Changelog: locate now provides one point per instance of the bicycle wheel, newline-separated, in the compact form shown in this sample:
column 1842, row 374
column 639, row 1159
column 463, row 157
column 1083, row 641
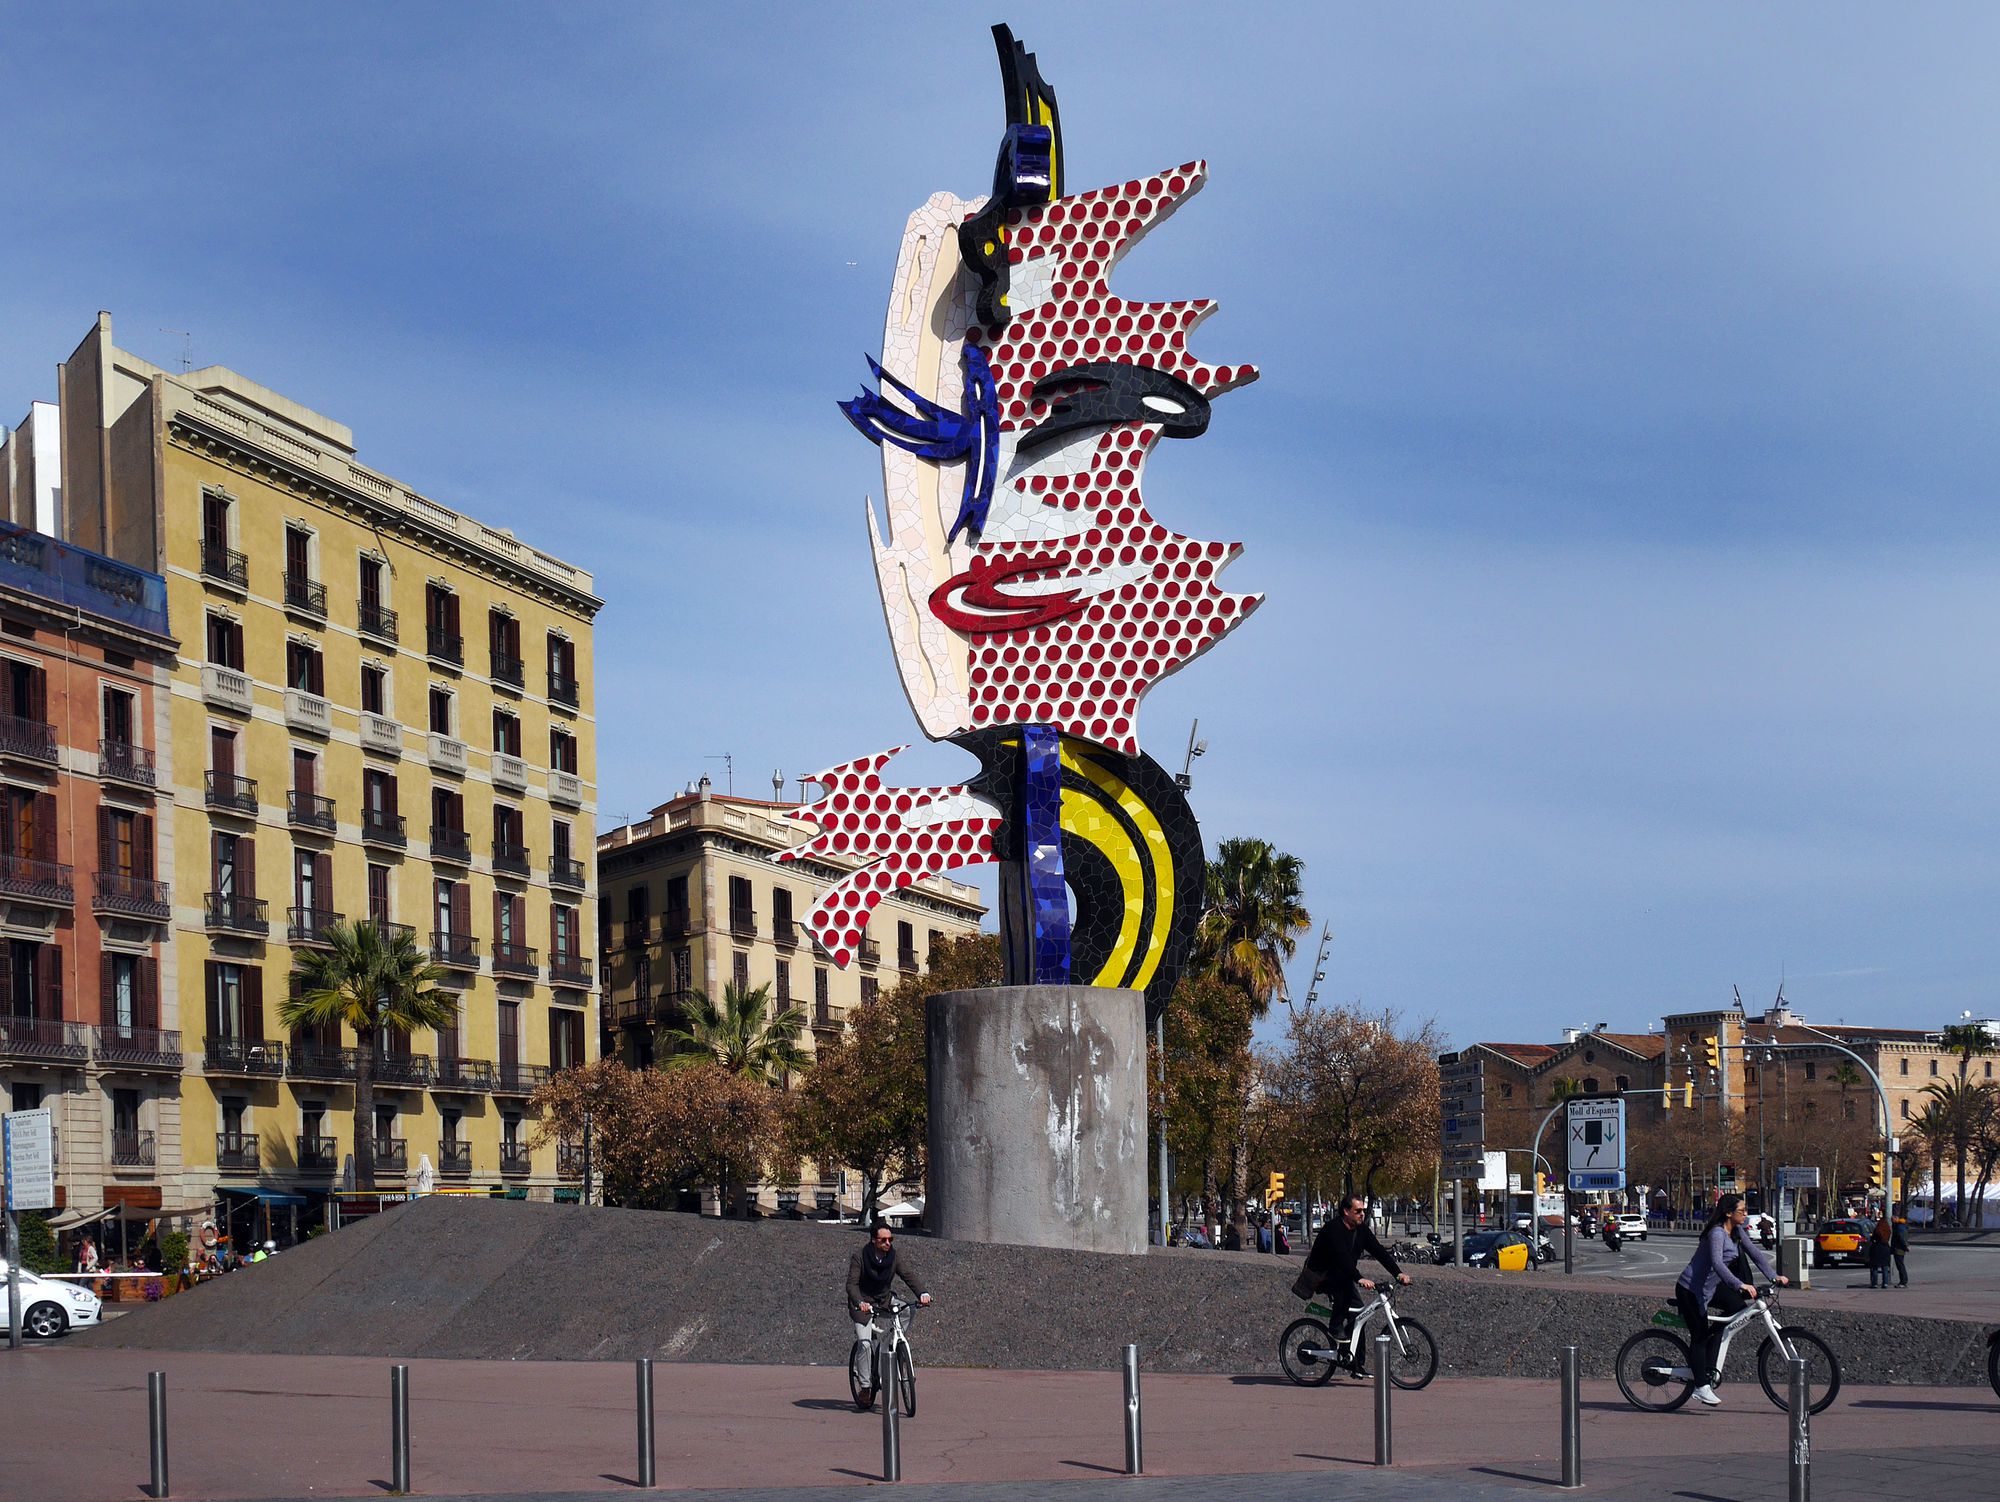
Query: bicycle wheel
column 1417, row 1362
column 906, row 1381
column 1656, row 1371
column 1993, row 1366
column 1300, row 1336
column 856, row 1378
column 1822, row 1368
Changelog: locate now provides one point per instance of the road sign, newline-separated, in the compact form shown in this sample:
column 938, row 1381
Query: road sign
column 28, row 1146
column 1798, row 1178
column 1597, row 1143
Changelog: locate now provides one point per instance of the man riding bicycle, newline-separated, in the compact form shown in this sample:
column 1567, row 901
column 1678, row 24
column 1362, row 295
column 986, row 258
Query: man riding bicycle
column 1711, row 1278
column 871, row 1271
column 1333, row 1266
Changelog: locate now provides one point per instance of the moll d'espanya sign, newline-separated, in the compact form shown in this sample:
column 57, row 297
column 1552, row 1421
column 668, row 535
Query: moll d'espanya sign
column 1031, row 597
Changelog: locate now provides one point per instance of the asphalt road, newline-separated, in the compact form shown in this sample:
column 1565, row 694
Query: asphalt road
column 1966, row 1268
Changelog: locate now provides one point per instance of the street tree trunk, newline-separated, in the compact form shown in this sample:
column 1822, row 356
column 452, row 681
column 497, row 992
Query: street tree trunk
column 364, row 1109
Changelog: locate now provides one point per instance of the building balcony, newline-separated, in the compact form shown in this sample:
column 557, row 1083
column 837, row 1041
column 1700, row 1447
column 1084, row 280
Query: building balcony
column 381, row 734
column 227, row 793
column 743, row 923
column 380, row 828
column 311, row 811
column 631, row 1011
column 308, row 925
column 455, row 951
column 321, row 1061
column 569, row 970
column 638, row 932
column 225, row 565
column 27, row 740
column 318, row 1155
column 567, row 871
column 456, row 1076
column 392, row 1155
column 228, row 913
column 445, row 646
column 671, row 1008
column 514, row 1160
column 37, row 881
column 447, row 754
column 509, row 772
column 236, row 1152
column 565, row 787
column 515, row 959
column 132, row 897
column 226, row 688
column 43, row 1040
column 562, row 690
column 510, row 857
column 132, row 1150
column 394, row 931
column 871, row 952
column 249, row 1057
column 509, row 670
column 138, row 1048
column 784, row 933
column 519, row 1079
column 308, row 712
column 120, row 761
column 569, row 1160
column 403, row 1071
column 448, row 844
column 825, row 1018
column 378, row 621
column 676, row 922
column 455, row 1159
column 906, row 961
column 306, row 596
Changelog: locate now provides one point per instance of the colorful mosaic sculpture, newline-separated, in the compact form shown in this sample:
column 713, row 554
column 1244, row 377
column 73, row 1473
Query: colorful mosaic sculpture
column 1031, row 598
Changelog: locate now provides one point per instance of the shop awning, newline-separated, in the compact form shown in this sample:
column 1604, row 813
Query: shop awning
column 268, row 1196
column 69, row 1220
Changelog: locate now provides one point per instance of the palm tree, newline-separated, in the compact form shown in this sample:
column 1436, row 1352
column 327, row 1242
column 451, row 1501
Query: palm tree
column 1563, row 1087
column 1930, row 1129
column 1959, row 1103
column 372, row 981
column 741, row 1035
column 1968, row 1040
column 1252, row 917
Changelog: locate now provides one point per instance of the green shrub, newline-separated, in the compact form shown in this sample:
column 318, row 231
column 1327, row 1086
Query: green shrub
column 38, row 1243
column 174, row 1251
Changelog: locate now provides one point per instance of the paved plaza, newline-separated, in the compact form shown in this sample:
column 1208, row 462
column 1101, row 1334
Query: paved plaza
column 297, row 1427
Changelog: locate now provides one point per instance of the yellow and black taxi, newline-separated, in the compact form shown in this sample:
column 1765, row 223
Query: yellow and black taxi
column 1841, row 1241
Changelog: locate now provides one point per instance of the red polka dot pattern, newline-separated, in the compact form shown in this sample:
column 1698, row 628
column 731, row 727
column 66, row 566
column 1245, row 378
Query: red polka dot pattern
column 1086, row 673
column 862, row 820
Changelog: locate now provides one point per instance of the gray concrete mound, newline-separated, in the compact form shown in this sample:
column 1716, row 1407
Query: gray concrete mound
column 500, row 1280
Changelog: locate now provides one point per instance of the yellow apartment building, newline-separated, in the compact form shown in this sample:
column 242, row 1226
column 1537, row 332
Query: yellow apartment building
column 691, row 898
column 381, row 710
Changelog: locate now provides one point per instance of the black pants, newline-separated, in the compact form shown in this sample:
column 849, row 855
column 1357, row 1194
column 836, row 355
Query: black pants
column 1704, row 1334
column 1343, row 1297
column 1902, row 1272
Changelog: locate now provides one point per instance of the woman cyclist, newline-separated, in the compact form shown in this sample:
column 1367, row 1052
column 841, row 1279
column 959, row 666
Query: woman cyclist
column 1711, row 1277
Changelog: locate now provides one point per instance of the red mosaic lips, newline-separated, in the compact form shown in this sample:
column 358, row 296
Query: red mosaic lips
column 977, row 602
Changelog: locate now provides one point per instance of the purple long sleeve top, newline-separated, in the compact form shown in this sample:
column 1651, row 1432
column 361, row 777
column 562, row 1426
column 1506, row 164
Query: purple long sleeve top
column 1710, row 1264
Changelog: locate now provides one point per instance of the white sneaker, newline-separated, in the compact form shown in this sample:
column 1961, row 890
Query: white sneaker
column 1707, row 1395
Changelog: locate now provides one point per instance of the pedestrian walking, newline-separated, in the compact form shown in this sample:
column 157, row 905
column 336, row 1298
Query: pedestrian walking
column 1879, row 1244
column 1899, row 1248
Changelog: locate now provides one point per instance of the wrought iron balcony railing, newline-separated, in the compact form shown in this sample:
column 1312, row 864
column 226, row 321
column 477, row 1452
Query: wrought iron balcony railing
column 311, row 811
column 446, row 646
column 463, row 1076
column 234, row 794
column 228, row 913
column 132, row 1149
column 318, row 1155
column 378, row 621
column 124, row 762
column 317, row 1061
column 406, row 1070
column 243, row 1056
column 514, row 1159
column 457, row 951
column 38, row 881
column 519, row 1079
column 449, row 844
column 225, row 564
column 379, row 827
column 565, row 871
column 514, row 959
column 236, row 1152
column 508, row 856
column 568, row 970
column 308, row 925
column 455, row 1159
column 30, row 740
column 307, row 595
column 121, row 1047
column 509, row 670
column 43, row 1039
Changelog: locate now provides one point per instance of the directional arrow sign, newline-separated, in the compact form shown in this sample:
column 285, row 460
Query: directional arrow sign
column 1597, row 1143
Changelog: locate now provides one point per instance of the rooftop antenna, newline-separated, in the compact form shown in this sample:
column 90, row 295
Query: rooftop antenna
column 728, row 768
column 187, row 348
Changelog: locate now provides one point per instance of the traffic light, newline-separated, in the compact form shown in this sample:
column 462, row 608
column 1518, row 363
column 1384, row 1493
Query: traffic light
column 1688, row 1099
column 1711, row 1052
column 1667, row 1097
column 1275, row 1190
column 1875, row 1167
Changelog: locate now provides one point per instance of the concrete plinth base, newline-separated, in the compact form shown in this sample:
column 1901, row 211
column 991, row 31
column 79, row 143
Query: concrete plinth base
column 1038, row 1116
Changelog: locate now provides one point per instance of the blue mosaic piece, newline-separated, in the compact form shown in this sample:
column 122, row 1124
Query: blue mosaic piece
column 1041, row 845
column 934, row 432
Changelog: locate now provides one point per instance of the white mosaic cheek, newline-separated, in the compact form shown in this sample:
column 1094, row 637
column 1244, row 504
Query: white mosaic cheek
column 1029, row 284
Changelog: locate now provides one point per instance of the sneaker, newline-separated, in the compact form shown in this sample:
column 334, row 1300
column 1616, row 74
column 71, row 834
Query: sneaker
column 1707, row 1395
column 867, row 1398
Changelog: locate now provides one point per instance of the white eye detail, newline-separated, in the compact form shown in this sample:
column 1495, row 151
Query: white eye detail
column 1164, row 404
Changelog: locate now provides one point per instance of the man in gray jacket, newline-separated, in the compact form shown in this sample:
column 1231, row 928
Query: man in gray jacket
column 871, row 1272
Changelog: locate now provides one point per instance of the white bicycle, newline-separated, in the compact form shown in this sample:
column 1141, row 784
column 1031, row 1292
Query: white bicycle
column 891, row 1349
column 1310, row 1356
column 1656, row 1366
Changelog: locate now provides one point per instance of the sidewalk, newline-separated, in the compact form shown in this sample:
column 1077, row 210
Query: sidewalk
column 270, row 1426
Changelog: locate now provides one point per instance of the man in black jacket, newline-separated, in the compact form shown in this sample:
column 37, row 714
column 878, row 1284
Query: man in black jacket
column 871, row 1274
column 1334, row 1264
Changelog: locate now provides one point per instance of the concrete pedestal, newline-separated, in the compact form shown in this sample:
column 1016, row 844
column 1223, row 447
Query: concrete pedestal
column 1038, row 1116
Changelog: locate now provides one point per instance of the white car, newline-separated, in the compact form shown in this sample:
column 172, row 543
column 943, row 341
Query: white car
column 50, row 1306
column 1632, row 1226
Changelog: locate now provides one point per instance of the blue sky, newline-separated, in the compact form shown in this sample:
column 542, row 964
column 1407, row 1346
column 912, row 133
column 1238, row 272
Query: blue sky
column 1620, row 476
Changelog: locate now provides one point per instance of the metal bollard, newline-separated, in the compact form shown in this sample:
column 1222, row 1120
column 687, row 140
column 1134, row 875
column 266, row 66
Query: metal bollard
column 1135, row 1455
column 646, row 1450
column 1384, row 1455
column 1572, row 1424
column 156, row 1429
column 1801, row 1416
column 399, row 1429
column 892, row 1433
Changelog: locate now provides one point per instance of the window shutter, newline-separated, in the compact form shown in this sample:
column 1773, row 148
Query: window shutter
column 246, row 867
column 215, row 861
column 253, row 1003
column 461, row 910
column 142, row 847
column 323, row 882
column 107, row 845
column 212, row 981
column 45, row 828
column 499, row 920
column 51, row 980
column 38, row 695
column 146, row 988
column 555, row 1039
column 7, row 694
column 389, row 786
